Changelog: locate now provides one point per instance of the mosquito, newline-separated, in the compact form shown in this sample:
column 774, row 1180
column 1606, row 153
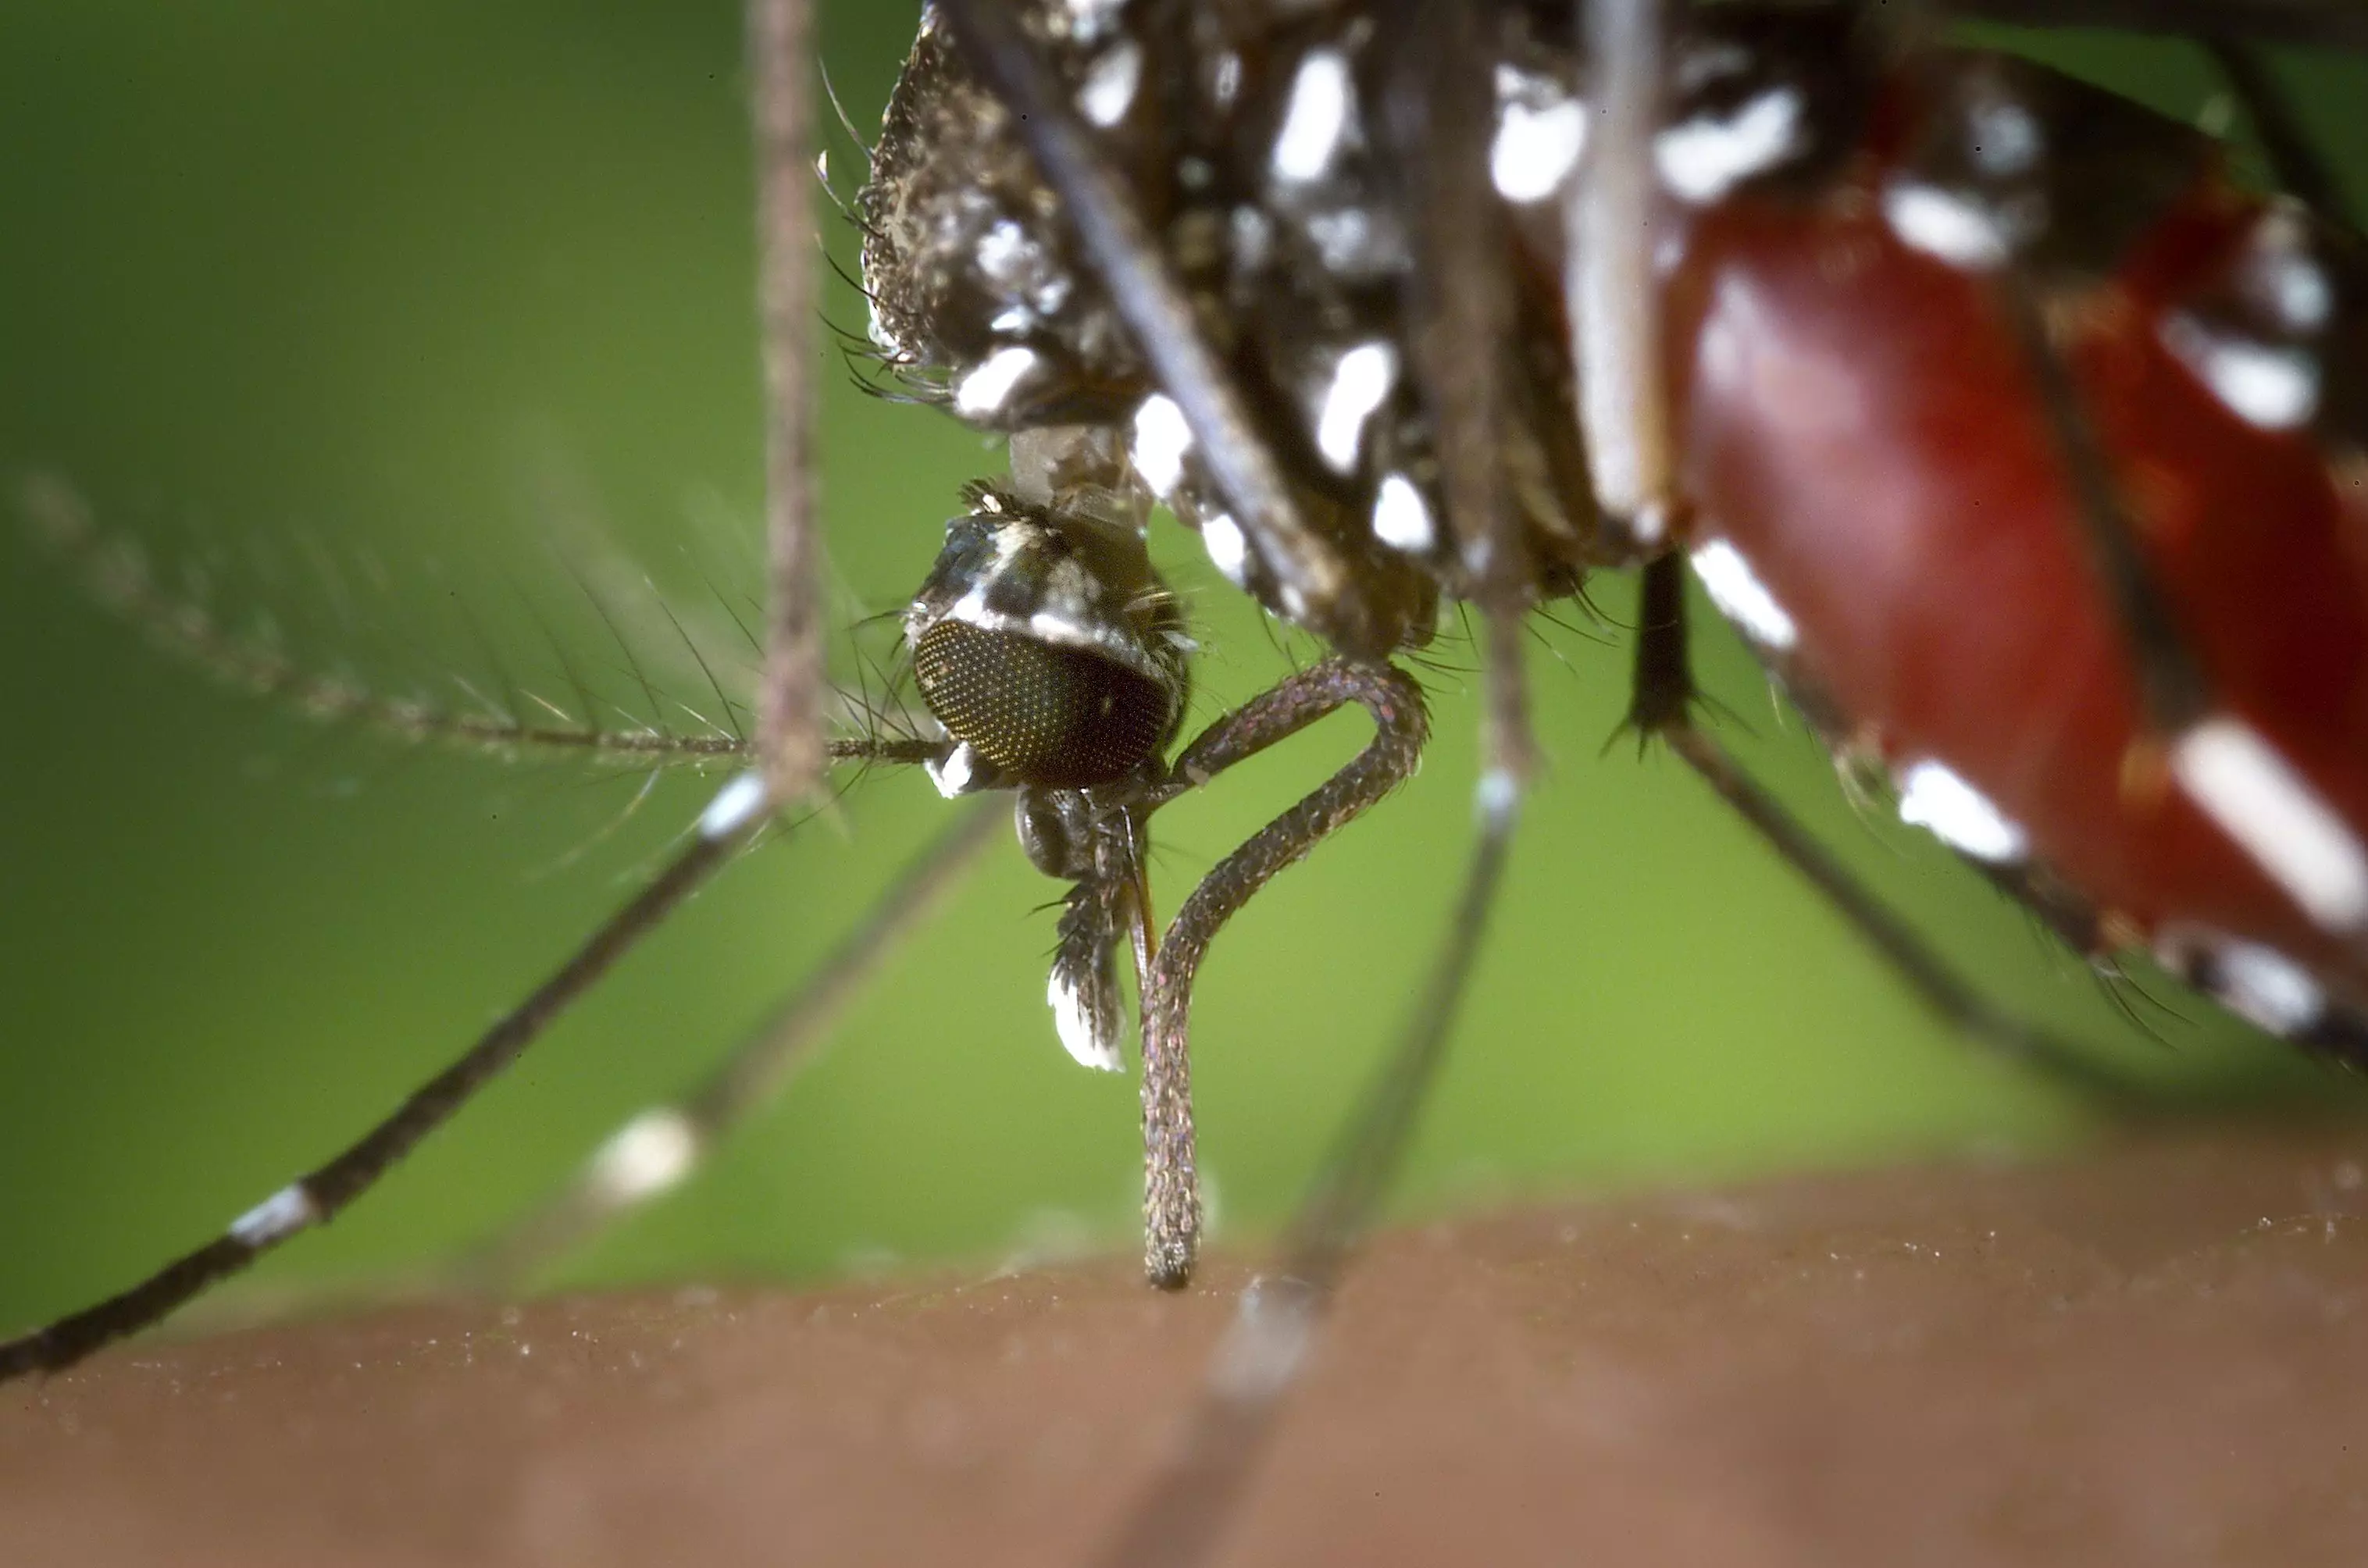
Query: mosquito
column 1454, row 509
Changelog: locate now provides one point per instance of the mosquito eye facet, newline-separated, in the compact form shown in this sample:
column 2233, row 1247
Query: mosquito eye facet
column 1046, row 644
column 1040, row 712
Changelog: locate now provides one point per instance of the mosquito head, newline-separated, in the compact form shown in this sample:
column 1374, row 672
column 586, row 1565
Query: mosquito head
column 1046, row 645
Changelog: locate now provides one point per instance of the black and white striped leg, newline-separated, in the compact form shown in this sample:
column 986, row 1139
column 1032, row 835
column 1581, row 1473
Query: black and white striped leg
column 739, row 810
column 1171, row 1201
column 660, row 1147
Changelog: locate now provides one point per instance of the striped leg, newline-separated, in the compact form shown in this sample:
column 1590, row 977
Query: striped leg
column 659, row 1148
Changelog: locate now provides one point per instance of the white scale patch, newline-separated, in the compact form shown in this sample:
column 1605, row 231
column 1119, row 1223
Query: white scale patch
column 278, row 1217
column 1228, row 84
column 1091, row 18
column 987, row 389
column 1315, row 119
column 1221, row 537
column 1110, row 83
column 1361, row 382
column 1537, row 145
column 1161, row 439
column 1934, row 796
column 734, row 806
column 953, row 775
column 1074, row 1024
column 1703, row 159
column 2267, row 387
column 2006, row 138
column 2280, row 275
column 1941, row 223
column 1401, row 517
column 1742, row 597
column 645, row 1156
column 2258, row 799
column 2266, row 988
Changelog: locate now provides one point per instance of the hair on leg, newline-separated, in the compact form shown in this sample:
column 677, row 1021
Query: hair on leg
column 1181, row 1512
column 1171, row 1200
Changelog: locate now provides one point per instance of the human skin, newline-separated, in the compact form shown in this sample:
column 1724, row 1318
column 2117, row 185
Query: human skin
column 2157, row 1352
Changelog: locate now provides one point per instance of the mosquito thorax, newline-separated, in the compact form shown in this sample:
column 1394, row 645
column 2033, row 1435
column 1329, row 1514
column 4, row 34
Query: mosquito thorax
column 1047, row 648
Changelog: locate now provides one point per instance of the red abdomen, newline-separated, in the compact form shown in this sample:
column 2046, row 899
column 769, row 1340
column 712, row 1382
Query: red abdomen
column 1861, row 434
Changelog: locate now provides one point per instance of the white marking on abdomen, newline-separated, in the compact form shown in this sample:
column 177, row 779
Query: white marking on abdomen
column 1742, row 597
column 1401, row 518
column 1359, row 385
column 277, row 1218
column 1222, row 538
column 1934, row 796
column 1535, row 149
column 1707, row 156
column 2258, row 799
column 1111, row 81
column 1941, row 223
column 986, row 389
column 1161, row 439
column 1316, row 121
column 2267, row 387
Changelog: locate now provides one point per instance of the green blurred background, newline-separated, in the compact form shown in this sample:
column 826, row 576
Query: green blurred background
column 383, row 322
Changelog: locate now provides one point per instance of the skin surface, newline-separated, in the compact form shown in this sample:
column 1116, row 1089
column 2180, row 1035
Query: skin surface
column 2151, row 1354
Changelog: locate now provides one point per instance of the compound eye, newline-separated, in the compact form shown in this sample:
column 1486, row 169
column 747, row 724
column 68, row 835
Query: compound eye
column 1064, row 716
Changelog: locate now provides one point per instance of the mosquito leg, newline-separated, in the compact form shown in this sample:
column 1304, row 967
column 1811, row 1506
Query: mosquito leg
column 1661, row 708
column 1440, row 117
column 2295, row 160
column 1613, row 293
column 660, row 1147
column 318, row 1197
column 123, row 583
column 1151, row 300
column 1189, row 1502
column 1171, row 1201
column 2172, row 691
column 790, row 708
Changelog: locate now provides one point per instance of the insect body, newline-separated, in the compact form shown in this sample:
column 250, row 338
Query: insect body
column 1876, row 273
column 1869, row 480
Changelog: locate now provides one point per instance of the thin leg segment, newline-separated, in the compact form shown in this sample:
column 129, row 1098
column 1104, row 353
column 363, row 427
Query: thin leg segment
column 1661, row 709
column 659, row 1148
column 2297, row 162
column 790, row 708
column 318, row 1197
column 1171, row 1200
column 1190, row 1500
column 1613, row 294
